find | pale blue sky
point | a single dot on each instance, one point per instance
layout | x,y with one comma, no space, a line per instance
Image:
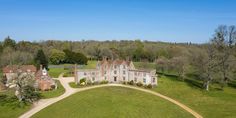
159,20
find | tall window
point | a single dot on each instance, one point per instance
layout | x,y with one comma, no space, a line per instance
115,72
153,80
93,78
93,73
123,78
144,80
123,66
124,72
115,66
135,79
105,78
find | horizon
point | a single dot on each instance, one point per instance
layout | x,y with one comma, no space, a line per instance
156,20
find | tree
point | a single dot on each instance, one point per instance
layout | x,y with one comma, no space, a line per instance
25,90
41,59
179,64
223,42
56,56
10,57
8,42
161,65
75,58
204,63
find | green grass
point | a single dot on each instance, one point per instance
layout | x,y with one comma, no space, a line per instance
90,65
144,65
73,85
55,72
212,104
53,93
9,109
112,102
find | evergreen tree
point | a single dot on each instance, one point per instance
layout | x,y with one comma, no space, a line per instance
8,42
41,59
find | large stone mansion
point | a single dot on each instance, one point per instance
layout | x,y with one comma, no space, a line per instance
116,71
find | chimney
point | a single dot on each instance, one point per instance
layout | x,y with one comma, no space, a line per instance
41,67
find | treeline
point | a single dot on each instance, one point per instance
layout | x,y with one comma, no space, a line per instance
213,62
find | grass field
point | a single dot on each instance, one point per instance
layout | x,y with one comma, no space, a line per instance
55,72
143,65
53,93
113,102
212,104
90,65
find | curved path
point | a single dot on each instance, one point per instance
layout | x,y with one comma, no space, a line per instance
41,104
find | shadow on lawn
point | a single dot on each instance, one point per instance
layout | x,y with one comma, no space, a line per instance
191,80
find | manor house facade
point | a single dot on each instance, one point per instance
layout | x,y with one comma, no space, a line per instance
116,71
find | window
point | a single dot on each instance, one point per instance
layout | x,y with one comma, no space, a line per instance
135,79
135,73
124,72
153,80
105,78
115,79
144,80
115,66
93,78
123,66
85,73
105,72
123,78
93,73
144,74
115,72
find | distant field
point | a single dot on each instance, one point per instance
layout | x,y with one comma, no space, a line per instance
56,70
144,65
213,104
90,65
53,93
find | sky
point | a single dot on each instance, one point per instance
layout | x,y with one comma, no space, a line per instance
155,20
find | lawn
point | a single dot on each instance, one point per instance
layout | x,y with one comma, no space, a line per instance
90,65
113,102
53,93
9,108
144,65
212,104
55,72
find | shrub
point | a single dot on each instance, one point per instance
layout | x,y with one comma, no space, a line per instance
103,82
131,82
82,84
89,82
139,84
149,86
83,80
124,82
